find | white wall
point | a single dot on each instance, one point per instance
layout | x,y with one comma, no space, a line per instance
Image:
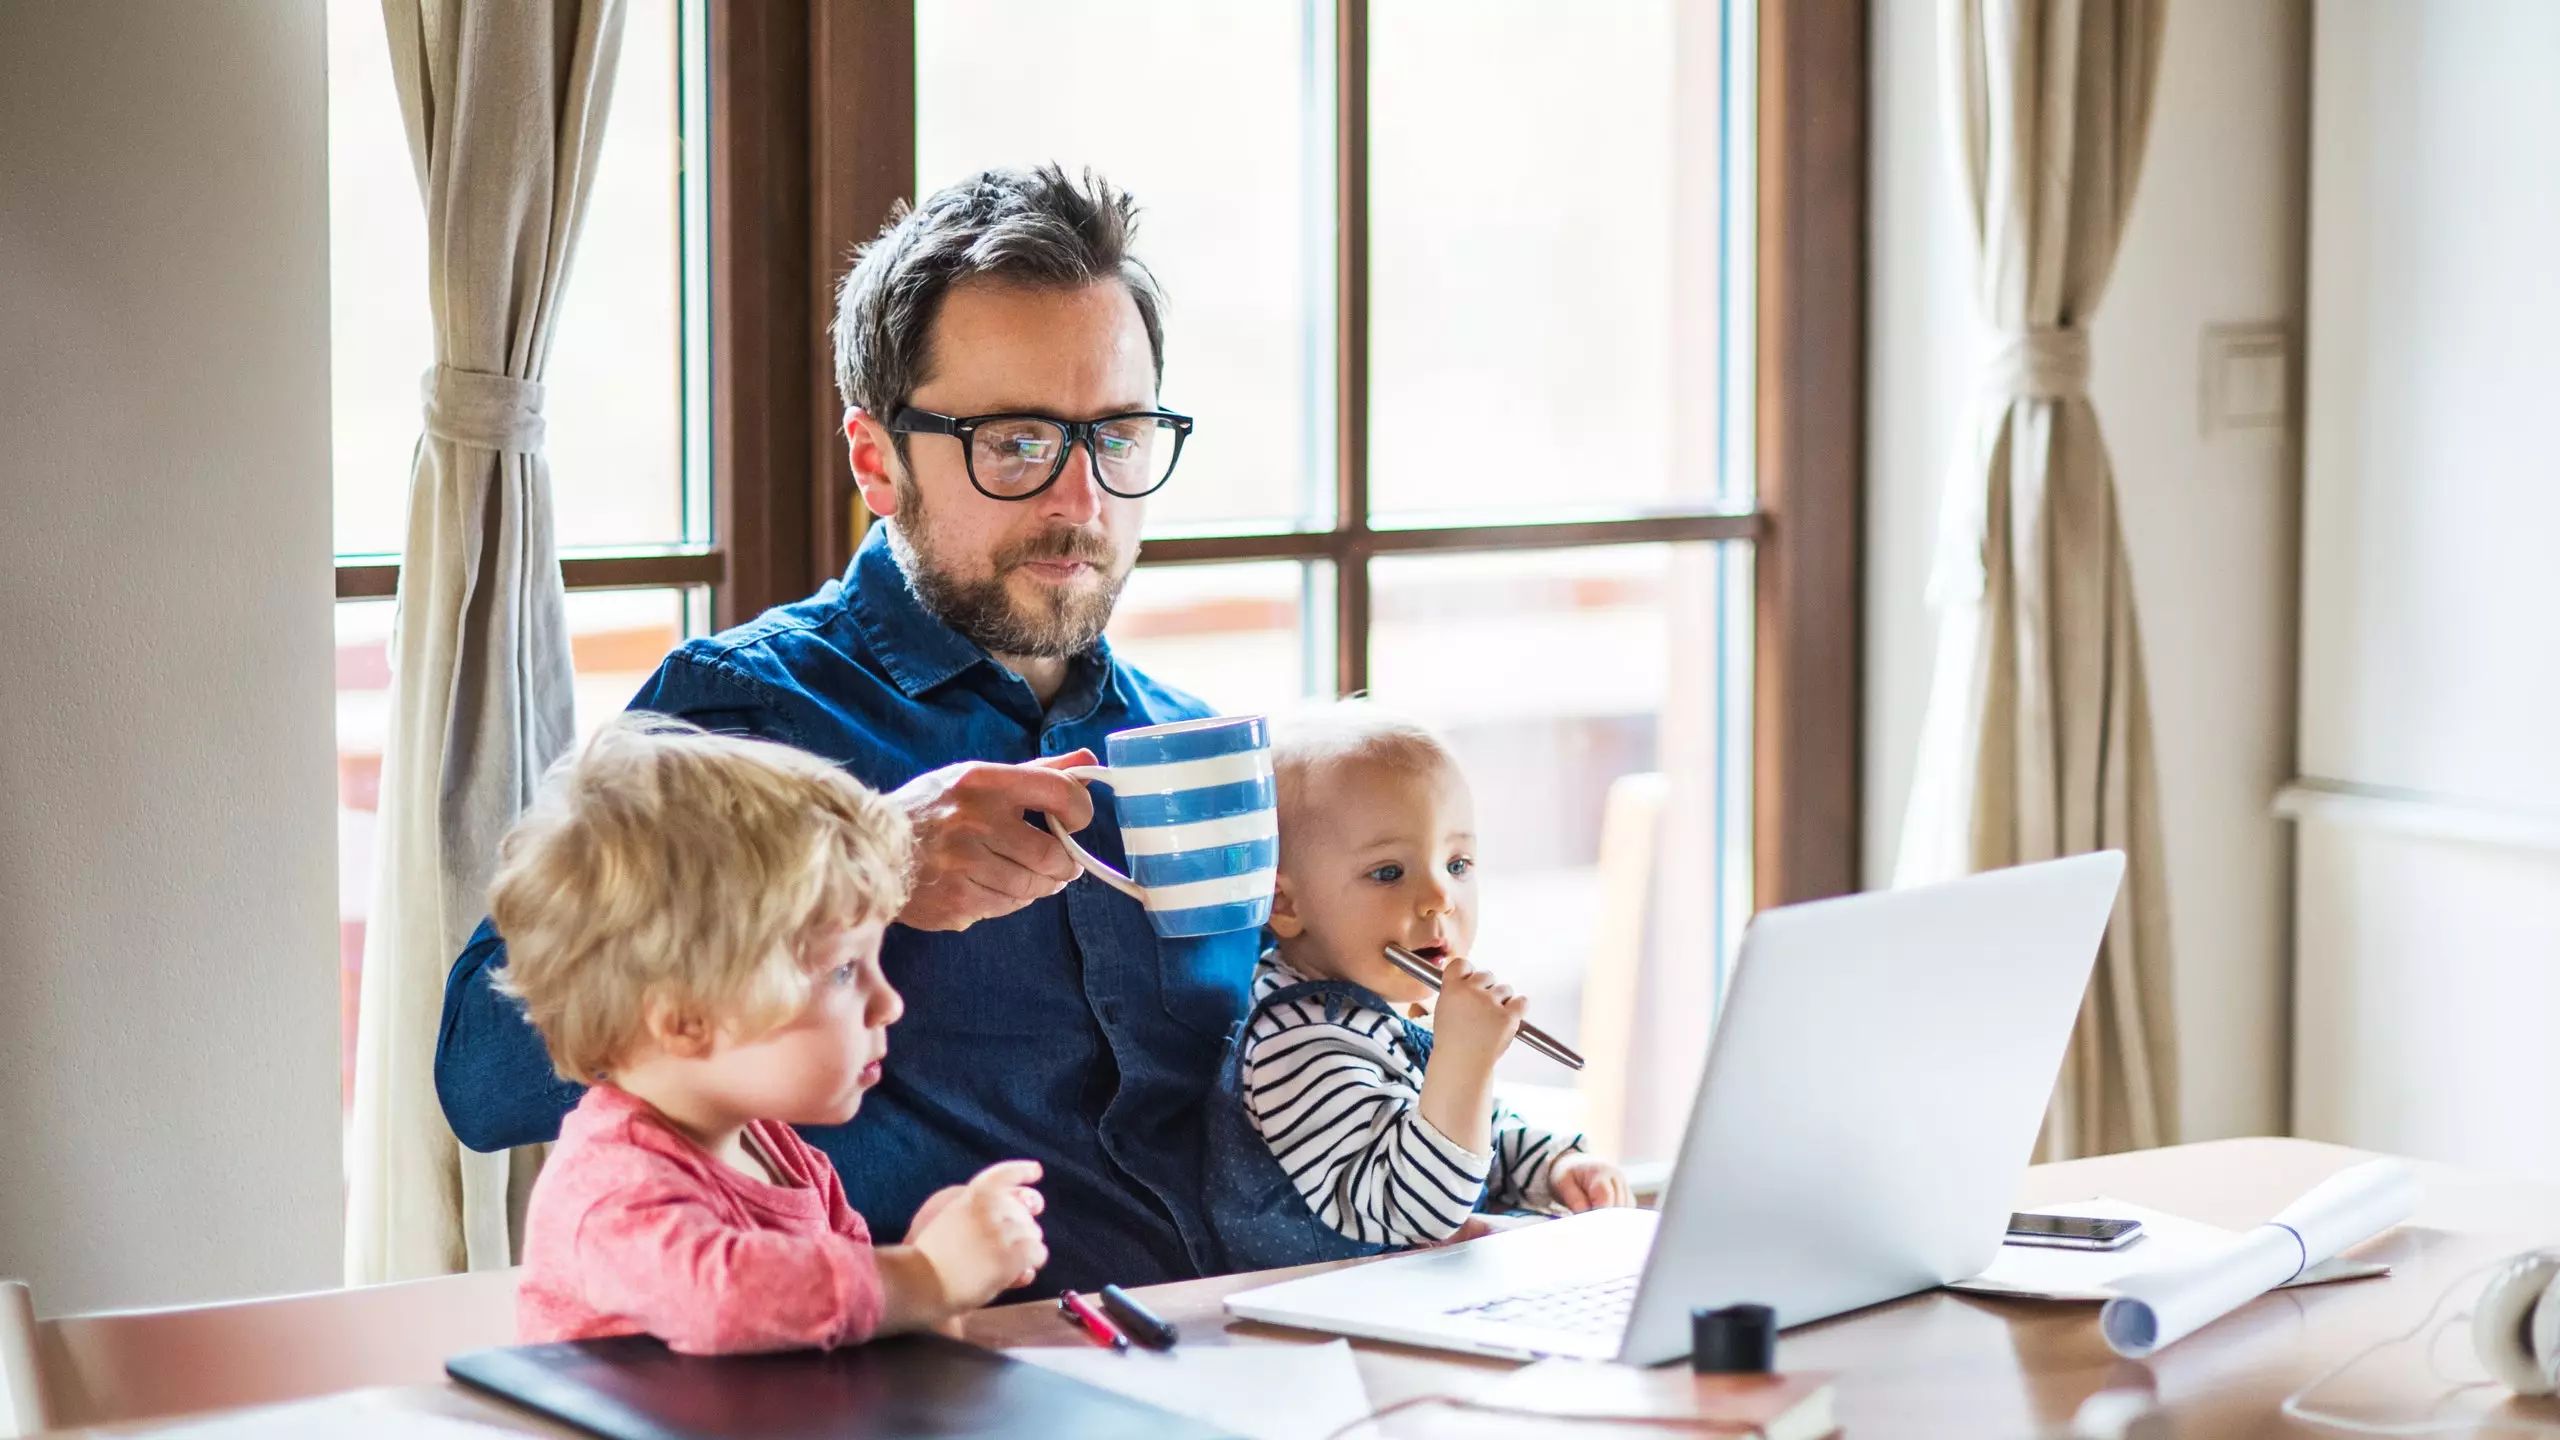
2434,488
168,975
2215,238
2429,897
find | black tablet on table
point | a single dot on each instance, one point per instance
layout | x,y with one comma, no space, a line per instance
633,1387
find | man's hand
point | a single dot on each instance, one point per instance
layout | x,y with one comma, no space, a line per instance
976,857
1585,1182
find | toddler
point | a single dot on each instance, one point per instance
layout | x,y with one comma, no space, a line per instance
1347,1128
693,923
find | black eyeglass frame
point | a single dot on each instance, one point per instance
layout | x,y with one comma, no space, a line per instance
964,428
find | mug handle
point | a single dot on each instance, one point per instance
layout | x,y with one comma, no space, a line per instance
1093,774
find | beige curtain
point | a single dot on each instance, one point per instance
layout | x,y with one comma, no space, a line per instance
505,102
2037,741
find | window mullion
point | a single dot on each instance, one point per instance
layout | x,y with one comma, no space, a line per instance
1351,345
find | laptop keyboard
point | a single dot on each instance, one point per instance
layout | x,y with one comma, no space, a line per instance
1598,1308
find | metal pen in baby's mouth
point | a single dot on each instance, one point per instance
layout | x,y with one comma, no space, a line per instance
1530,1035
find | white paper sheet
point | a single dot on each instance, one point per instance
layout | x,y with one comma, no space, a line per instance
2032,1272
1230,1386
2160,1307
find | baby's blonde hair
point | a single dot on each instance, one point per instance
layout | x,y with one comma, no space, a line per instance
664,861
1311,743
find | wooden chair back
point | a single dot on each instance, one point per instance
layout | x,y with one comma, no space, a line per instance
1630,832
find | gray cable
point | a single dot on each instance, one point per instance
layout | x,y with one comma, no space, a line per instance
2295,1408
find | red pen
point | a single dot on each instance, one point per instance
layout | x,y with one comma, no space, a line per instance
1096,1324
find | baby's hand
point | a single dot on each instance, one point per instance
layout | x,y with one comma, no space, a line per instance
934,1204
1475,1017
1585,1182
983,1238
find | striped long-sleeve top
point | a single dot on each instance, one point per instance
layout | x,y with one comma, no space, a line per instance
1339,1105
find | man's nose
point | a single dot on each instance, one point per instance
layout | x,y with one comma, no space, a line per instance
1075,498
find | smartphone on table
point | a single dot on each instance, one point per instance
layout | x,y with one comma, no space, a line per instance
2073,1232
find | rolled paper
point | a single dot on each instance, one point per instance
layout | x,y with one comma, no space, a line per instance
2162,1307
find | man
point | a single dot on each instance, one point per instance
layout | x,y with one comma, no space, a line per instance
999,353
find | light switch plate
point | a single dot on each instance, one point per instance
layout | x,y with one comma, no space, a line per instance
2246,378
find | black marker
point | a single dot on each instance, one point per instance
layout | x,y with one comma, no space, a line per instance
1143,1324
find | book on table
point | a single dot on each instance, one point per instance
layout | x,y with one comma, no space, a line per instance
632,1387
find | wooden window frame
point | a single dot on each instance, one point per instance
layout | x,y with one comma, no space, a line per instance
812,118
1811,436
813,144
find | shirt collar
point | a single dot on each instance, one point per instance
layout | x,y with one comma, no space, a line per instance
920,652
1088,682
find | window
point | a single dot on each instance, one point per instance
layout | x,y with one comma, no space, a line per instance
628,406
1548,320
1501,380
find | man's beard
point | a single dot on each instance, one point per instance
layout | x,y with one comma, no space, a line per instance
1061,621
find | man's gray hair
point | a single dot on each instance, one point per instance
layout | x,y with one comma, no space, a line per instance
1026,227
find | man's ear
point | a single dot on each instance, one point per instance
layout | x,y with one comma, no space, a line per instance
874,458
678,1030
1285,921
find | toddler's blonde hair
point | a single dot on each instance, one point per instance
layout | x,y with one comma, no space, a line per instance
664,861
1310,743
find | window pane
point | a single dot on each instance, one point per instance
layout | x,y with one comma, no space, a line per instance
1610,793
1235,635
379,342
616,403
1219,118
1545,318
616,638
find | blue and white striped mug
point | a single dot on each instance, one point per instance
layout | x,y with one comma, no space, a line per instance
1199,817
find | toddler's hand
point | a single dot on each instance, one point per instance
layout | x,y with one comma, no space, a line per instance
1475,1017
983,1238
934,1204
1584,1182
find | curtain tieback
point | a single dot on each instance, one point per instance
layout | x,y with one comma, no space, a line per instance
474,407
2042,362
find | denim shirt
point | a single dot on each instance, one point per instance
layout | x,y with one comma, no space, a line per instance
1066,1031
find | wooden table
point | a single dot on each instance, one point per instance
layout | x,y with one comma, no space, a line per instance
1961,1366
1957,1366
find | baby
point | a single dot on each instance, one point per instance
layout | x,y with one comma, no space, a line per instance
1347,1128
693,923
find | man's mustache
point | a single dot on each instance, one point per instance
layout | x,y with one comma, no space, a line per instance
1067,543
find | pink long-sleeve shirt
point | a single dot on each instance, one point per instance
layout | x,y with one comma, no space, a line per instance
635,1229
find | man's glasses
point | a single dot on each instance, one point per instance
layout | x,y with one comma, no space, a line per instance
1014,457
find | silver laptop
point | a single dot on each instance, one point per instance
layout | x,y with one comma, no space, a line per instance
1869,1106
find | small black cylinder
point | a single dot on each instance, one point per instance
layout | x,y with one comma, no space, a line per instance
1736,1340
